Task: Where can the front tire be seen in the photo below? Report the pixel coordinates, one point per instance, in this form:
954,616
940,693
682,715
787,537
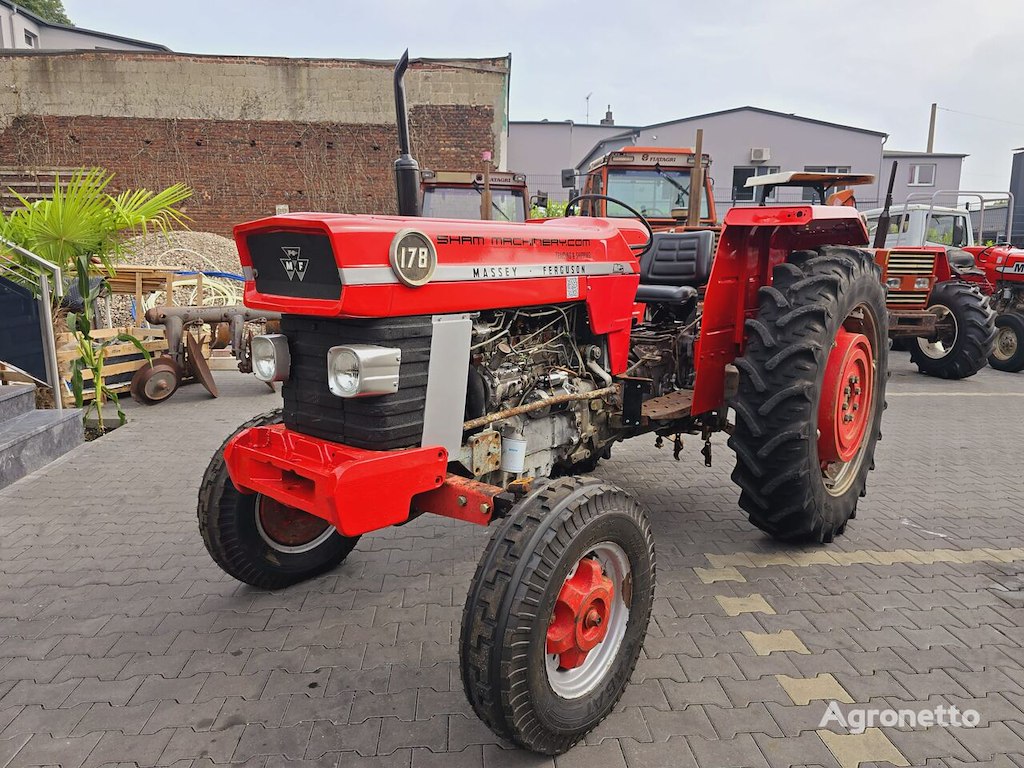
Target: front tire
811,394
557,612
258,540
1008,349
963,351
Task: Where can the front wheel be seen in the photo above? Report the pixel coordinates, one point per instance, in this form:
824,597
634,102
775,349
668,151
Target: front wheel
556,613
966,331
1008,349
259,540
811,393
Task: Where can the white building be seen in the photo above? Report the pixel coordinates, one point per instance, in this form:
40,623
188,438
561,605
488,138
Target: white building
22,30
743,142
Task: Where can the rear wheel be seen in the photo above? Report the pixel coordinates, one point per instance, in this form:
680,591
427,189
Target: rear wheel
967,329
1008,349
556,613
259,540
811,394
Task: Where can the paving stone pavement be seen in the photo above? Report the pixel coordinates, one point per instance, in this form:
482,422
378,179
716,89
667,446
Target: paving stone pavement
122,644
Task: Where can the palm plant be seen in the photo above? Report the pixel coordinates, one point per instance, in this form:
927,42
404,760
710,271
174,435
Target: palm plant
80,228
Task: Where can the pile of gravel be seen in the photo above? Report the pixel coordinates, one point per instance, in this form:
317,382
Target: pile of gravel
185,249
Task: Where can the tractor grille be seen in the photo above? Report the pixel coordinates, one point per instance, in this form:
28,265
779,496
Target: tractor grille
910,263
907,299
372,423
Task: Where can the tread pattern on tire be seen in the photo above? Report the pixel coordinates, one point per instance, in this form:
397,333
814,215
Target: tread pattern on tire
509,583
776,402
224,546
976,331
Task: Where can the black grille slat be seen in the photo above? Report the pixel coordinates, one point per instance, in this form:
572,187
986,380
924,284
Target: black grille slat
372,423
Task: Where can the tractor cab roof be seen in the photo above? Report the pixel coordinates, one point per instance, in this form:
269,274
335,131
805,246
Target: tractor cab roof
471,178
807,179
819,182
648,157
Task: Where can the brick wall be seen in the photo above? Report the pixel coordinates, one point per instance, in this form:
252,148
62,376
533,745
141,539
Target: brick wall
244,155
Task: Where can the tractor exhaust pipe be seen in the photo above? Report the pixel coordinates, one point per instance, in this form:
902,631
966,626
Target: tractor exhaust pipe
407,170
883,218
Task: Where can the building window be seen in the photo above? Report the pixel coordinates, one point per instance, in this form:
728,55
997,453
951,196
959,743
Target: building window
32,41
810,196
922,175
741,173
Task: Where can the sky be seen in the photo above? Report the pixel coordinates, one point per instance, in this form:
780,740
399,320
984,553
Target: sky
868,63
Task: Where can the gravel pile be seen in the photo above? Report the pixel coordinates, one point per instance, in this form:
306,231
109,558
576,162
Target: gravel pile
191,251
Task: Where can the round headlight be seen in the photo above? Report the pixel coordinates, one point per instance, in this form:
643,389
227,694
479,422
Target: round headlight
270,357
344,374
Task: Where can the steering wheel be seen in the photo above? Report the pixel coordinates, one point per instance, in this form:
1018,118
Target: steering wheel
641,248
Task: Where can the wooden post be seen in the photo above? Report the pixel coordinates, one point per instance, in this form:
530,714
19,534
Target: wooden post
696,181
485,198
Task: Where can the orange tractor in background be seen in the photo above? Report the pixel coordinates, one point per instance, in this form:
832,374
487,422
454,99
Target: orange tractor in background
653,180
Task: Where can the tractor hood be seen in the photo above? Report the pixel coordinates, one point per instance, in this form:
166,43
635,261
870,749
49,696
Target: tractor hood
382,266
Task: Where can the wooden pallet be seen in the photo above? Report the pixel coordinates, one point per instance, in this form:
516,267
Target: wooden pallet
123,359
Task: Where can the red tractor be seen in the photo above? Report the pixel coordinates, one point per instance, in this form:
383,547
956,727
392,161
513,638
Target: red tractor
937,306
478,370
997,269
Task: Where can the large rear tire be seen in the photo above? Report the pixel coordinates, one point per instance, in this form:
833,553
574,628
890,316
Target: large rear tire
964,350
557,612
811,394
1008,349
258,540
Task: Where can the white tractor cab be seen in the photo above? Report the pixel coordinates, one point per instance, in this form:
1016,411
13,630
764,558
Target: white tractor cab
920,222
461,195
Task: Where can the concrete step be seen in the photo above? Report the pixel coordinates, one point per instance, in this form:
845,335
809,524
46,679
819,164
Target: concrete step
15,400
32,440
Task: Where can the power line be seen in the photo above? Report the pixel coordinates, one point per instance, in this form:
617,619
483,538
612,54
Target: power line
981,117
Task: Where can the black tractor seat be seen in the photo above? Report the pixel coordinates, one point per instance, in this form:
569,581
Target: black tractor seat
675,266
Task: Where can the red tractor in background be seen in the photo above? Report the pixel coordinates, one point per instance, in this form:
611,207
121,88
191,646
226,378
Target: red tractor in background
997,269
652,180
937,308
477,370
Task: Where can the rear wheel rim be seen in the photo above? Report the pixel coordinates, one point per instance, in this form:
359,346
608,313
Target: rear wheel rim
846,412
942,345
588,629
287,529
1006,344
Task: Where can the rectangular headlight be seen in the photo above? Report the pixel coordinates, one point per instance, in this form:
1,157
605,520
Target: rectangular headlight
271,360
921,283
358,370
893,282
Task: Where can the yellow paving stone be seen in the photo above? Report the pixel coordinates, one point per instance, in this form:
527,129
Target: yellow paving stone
764,643
765,559
724,561
814,558
804,690
858,557
866,556
711,575
734,606
1002,555
872,746
896,556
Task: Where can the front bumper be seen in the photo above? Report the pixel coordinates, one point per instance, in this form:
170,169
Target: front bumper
355,490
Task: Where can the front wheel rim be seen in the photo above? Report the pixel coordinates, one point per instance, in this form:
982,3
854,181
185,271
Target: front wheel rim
289,530
578,619
938,349
1005,345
